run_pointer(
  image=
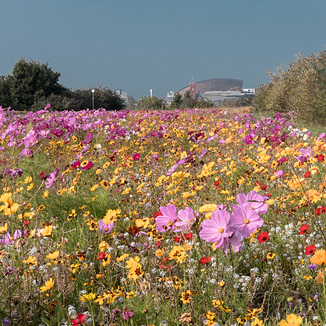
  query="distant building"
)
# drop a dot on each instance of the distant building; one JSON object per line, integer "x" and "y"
{"x": 123, "y": 95}
{"x": 217, "y": 90}
{"x": 169, "y": 97}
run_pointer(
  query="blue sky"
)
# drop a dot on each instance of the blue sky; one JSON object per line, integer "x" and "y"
{"x": 135, "y": 45}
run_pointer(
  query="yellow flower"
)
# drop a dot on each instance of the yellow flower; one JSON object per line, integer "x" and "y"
{"x": 257, "y": 322}
{"x": 111, "y": 216}
{"x": 207, "y": 208}
{"x": 9, "y": 206}
{"x": 121, "y": 258}
{"x": 134, "y": 267}
{"x": 47, "y": 230}
{"x": 88, "y": 297}
{"x": 4, "y": 228}
{"x": 46, "y": 194}
{"x": 53, "y": 255}
{"x": 103, "y": 246}
{"x": 178, "y": 253}
{"x": 31, "y": 260}
{"x": 270, "y": 256}
{"x": 319, "y": 257}
{"x": 48, "y": 285}
{"x": 291, "y": 320}
{"x": 107, "y": 260}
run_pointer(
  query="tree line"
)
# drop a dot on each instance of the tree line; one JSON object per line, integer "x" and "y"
{"x": 300, "y": 87}
{"x": 32, "y": 85}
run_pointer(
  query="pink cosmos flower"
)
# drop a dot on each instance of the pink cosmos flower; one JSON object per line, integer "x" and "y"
{"x": 234, "y": 241}
{"x": 7, "y": 239}
{"x": 186, "y": 220}
{"x": 256, "y": 201}
{"x": 166, "y": 221}
{"x": 278, "y": 173}
{"x": 88, "y": 139}
{"x": 105, "y": 228}
{"x": 246, "y": 219}
{"x": 216, "y": 228}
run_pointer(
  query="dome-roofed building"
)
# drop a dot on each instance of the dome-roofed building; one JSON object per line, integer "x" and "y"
{"x": 211, "y": 85}
{"x": 216, "y": 90}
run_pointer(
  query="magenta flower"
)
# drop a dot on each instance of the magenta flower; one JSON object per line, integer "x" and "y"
{"x": 105, "y": 228}
{"x": 88, "y": 139}
{"x": 166, "y": 221}
{"x": 186, "y": 220}
{"x": 136, "y": 156}
{"x": 216, "y": 229}
{"x": 7, "y": 239}
{"x": 256, "y": 201}
{"x": 87, "y": 166}
{"x": 246, "y": 219}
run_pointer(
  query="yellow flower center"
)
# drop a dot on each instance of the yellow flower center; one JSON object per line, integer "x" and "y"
{"x": 246, "y": 221}
{"x": 220, "y": 230}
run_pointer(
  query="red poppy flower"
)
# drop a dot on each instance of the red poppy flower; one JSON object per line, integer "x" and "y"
{"x": 310, "y": 250}
{"x": 216, "y": 183}
{"x": 156, "y": 214}
{"x": 263, "y": 237}
{"x": 303, "y": 229}
{"x": 80, "y": 319}
{"x": 133, "y": 230}
{"x": 318, "y": 211}
{"x": 205, "y": 260}
{"x": 320, "y": 157}
{"x": 188, "y": 236}
{"x": 101, "y": 255}
{"x": 307, "y": 174}
{"x": 263, "y": 187}
{"x": 177, "y": 239}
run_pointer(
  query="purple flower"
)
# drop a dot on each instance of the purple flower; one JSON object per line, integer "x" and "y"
{"x": 105, "y": 228}
{"x": 216, "y": 229}
{"x": 278, "y": 173}
{"x": 186, "y": 220}
{"x": 312, "y": 267}
{"x": 246, "y": 219}
{"x": 127, "y": 313}
{"x": 166, "y": 221}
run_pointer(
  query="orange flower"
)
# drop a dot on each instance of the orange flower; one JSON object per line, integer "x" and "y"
{"x": 319, "y": 257}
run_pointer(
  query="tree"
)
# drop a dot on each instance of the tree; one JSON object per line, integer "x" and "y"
{"x": 151, "y": 103}
{"x": 6, "y": 99}
{"x": 104, "y": 97}
{"x": 177, "y": 101}
{"x": 32, "y": 80}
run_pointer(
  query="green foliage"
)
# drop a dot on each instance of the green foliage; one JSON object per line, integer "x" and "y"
{"x": 103, "y": 98}
{"x": 31, "y": 81}
{"x": 33, "y": 85}
{"x": 299, "y": 88}
{"x": 151, "y": 103}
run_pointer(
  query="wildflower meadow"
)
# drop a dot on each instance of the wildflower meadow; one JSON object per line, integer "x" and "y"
{"x": 174, "y": 217}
